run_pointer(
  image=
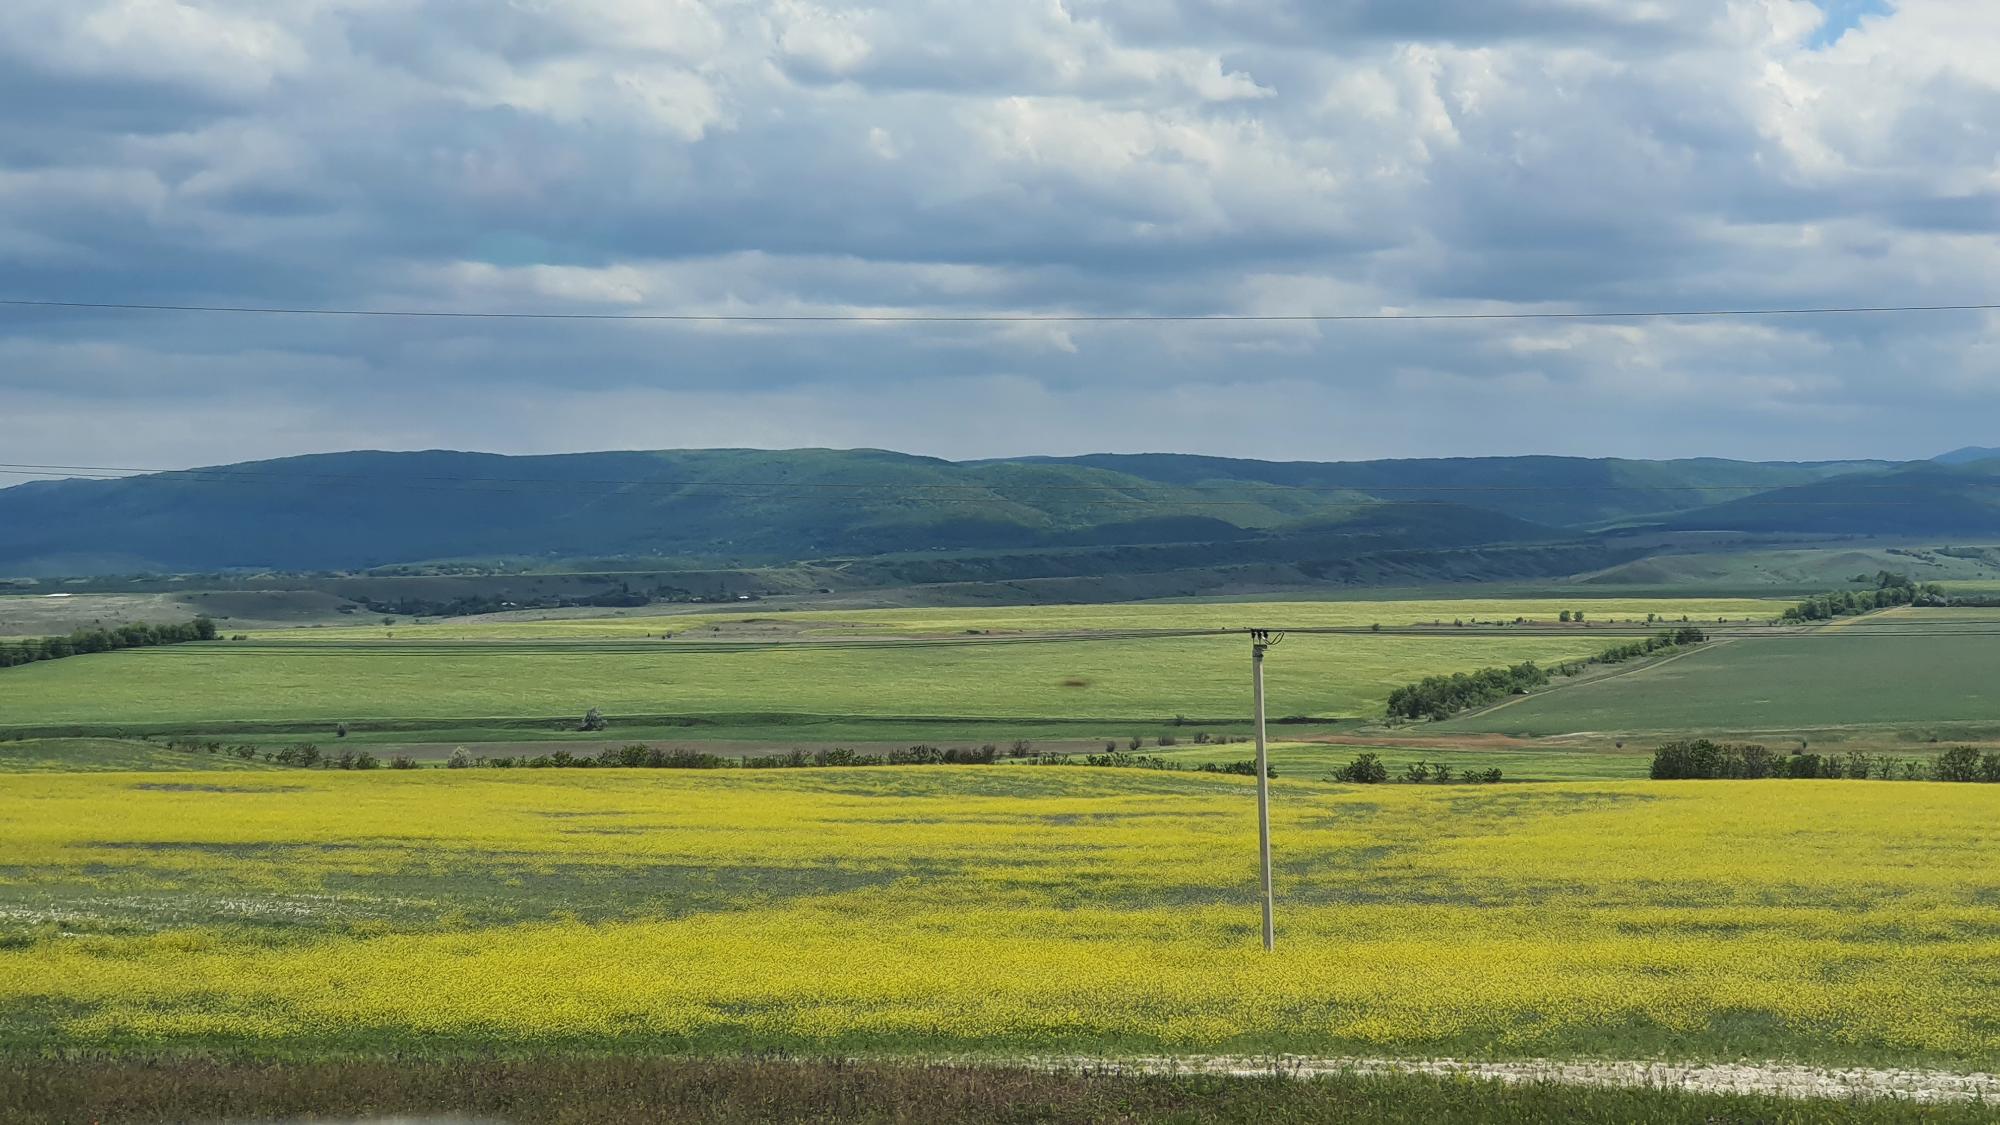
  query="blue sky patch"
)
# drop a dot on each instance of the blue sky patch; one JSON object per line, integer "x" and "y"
{"x": 1842, "y": 16}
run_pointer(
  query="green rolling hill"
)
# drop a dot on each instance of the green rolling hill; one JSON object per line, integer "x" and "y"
{"x": 1558, "y": 491}
{"x": 922, "y": 519}
{"x": 1921, "y": 499}
{"x": 371, "y": 508}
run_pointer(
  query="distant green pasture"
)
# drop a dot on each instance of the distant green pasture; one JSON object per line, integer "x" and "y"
{"x": 1852, "y": 674}
{"x": 1124, "y": 683}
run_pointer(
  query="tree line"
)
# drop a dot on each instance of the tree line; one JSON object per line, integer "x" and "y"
{"x": 1441, "y": 697}
{"x": 474, "y": 604}
{"x": 1369, "y": 769}
{"x": 86, "y": 641}
{"x": 1701, "y": 759}
{"x": 642, "y": 756}
{"x": 1890, "y": 590}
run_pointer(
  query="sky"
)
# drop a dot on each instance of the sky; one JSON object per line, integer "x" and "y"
{"x": 1031, "y": 157}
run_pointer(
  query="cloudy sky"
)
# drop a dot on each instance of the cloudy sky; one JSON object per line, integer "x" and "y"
{"x": 1019, "y": 157}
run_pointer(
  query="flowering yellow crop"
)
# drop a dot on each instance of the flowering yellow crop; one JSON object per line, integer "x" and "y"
{"x": 965, "y": 909}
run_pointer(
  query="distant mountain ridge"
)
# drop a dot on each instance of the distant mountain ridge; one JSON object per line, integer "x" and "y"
{"x": 1968, "y": 455}
{"x": 1559, "y": 491}
{"x": 372, "y": 508}
{"x": 1922, "y": 498}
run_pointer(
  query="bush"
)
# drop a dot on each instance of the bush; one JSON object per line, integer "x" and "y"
{"x": 1122, "y": 760}
{"x": 1960, "y": 763}
{"x": 1244, "y": 768}
{"x": 1700, "y": 758}
{"x": 403, "y": 762}
{"x": 461, "y": 759}
{"x": 1365, "y": 769}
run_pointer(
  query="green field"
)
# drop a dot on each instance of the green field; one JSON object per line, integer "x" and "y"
{"x": 466, "y": 677}
{"x": 69, "y": 755}
{"x": 1851, "y": 675}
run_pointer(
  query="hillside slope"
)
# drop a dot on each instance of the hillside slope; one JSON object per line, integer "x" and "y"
{"x": 1925, "y": 498}
{"x": 1024, "y": 518}
{"x": 1968, "y": 455}
{"x": 1558, "y": 491}
{"x": 371, "y": 508}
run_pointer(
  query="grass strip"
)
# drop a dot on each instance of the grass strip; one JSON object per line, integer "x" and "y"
{"x": 578, "y": 1091}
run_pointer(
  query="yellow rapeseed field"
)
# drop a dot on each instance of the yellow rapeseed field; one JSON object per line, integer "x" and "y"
{"x": 1001, "y": 909}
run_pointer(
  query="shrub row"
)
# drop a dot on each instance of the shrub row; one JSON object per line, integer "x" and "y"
{"x": 1441, "y": 697}
{"x": 1201, "y": 738}
{"x": 641, "y": 756}
{"x": 85, "y": 641}
{"x": 1684, "y": 637}
{"x": 1701, "y": 759}
{"x": 1113, "y": 758}
{"x": 305, "y": 755}
{"x": 1367, "y": 769}
{"x": 1890, "y": 590}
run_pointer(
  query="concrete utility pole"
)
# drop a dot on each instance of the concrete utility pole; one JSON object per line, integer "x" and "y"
{"x": 1261, "y": 642}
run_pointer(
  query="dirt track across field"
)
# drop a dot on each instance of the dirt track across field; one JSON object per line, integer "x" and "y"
{"x": 1783, "y": 1080}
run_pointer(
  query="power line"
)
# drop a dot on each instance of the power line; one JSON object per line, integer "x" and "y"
{"x": 991, "y": 318}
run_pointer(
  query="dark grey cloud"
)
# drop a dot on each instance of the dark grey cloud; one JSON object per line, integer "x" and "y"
{"x": 1324, "y": 23}
{"x": 926, "y": 156}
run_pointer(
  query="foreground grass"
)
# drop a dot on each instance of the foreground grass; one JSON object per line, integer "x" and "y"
{"x": 994, "y": 911}
{"x": 725, "y": 1092}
